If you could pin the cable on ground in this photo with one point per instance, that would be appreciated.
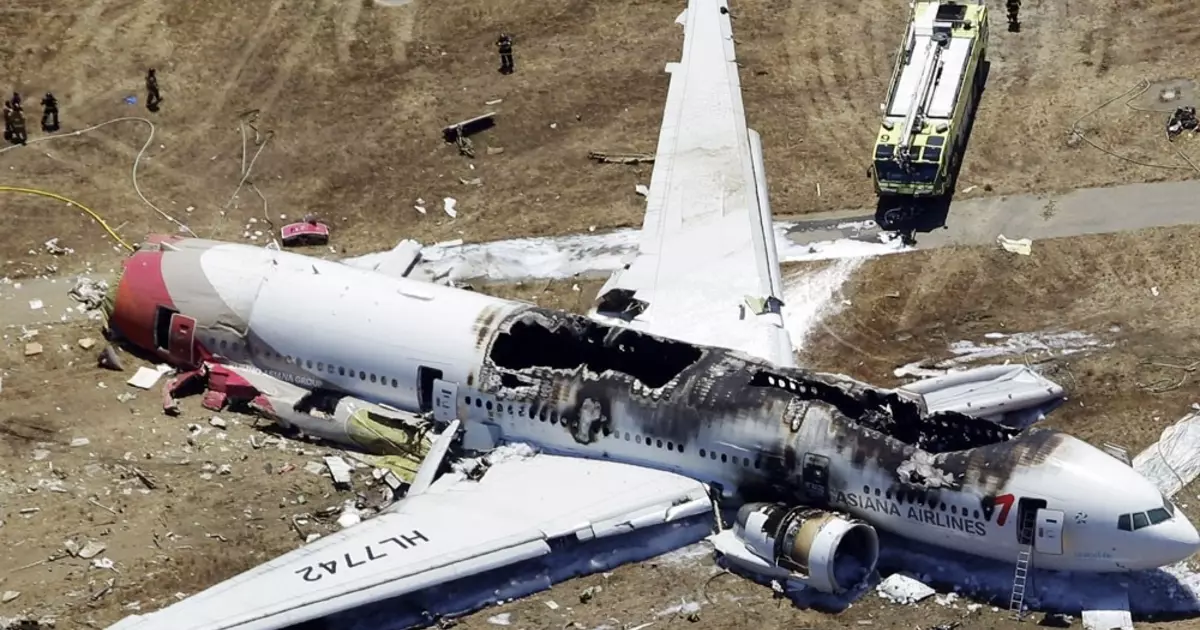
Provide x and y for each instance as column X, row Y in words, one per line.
column 1132, row 93
column 136, row 161
column 92, row 213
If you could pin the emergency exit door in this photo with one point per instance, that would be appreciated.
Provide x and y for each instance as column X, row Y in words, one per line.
column 445, row 398
column 1048, row 534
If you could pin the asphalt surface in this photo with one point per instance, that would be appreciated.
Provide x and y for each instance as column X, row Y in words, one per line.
column 1079, row 212
column 968, row 222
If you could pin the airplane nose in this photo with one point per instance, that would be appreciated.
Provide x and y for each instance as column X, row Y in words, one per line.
column 1174, row 541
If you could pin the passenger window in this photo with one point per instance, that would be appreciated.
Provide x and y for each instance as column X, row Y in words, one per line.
column 679, row 448
column 746, row 462
column 1124, row 524
column 320, row 366
column 309, row 363
column 659, row 443
column 637, row 439
column 942, row 507
column 954, row 509
column 372, row 378
column 341, row 371
column 467, row 399
column 976, row 514
column 479, row 403
column 626, row 436
column 510, row 410
column 488, row 406
column 723, row 458
column 670, row 446
column 866, row 489
column 1140, row 520
column 1158, row 515
column 553, row 417
column 362, row 376
column 395, row 383
column 712, row 454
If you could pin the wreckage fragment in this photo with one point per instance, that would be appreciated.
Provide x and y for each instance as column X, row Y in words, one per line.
column 921, row 469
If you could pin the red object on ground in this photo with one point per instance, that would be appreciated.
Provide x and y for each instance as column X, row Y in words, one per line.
column 304, row 233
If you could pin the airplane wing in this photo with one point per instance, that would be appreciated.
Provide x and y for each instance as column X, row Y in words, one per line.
column 706, row 270
column 523, row 504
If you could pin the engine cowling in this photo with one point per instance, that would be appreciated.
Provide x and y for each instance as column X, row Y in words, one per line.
column 825, row 550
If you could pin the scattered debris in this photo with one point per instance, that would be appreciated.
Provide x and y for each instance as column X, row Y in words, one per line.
column 86, row 343
column 621, row 158
column 91, row 550
column 1183, row 118
column 314, row 468
column 29, row 511
column 54, row 249
column 469, row 127
column 350, row 516
column 8, row 596
column 109, row 360
column 448, row 204
column 218, row 422
column 80, row 441
column 39, row 454
column 589, row 593
column 1023, row 246
column 146, row 378
column 308, row 232
column 35, row 305
column 339, row 470
column 503, row 619
column 88, row 292
column 903, row 589
column 495, row 150
column 1154, row 291
column 551, row 604
column 33, row 349
column 642, row 190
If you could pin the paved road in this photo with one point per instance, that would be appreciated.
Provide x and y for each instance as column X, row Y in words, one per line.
column 1084, row 211
column 969, row 222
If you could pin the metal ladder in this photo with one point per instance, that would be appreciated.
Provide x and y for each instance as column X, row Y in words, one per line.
column 1024, row 558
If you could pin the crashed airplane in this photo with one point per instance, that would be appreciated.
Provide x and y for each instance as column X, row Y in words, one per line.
column 678, row 392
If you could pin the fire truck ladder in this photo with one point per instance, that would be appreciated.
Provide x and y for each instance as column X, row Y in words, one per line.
column 923, row 91
column 1016, row 604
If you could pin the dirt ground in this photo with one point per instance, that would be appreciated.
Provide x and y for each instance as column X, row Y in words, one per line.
column 356, row 95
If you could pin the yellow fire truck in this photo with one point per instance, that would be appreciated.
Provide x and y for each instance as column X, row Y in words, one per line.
column 931, row 99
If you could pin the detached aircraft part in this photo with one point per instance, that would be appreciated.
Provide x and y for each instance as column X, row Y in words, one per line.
column 1006, row 394
column 823, row 550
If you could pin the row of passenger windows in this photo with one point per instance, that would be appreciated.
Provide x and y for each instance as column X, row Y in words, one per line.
column 545, row 414
column 319, row 366
column 910, row 496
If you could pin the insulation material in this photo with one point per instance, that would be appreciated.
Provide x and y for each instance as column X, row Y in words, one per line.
column 1174, row 460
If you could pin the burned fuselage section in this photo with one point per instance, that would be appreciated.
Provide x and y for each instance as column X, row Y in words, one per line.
column 718, row 415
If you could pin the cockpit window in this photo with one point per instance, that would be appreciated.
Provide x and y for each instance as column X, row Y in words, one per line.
column 1158, row 515
column 1168, row 506
column 1124, row 523
column 1140, row 520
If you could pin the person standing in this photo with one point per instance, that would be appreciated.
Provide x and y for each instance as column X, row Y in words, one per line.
column 153, row 97
column 49, row 113
column 504, row 45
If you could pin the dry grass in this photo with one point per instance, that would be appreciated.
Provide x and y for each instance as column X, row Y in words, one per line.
column 356, row 95
column 814, row 74
column 1095, row 284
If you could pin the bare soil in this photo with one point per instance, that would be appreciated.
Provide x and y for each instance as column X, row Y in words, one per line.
column 356, row 94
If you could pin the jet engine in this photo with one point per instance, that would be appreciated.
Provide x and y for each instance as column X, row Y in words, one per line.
column 824, row 550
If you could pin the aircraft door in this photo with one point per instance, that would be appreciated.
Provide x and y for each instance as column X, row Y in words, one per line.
column 1027, row 512
column 1049, row 532
column 181, row 339
column 815, row 477
column 445, row 399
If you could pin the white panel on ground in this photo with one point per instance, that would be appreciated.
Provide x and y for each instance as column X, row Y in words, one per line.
column 1108, row 612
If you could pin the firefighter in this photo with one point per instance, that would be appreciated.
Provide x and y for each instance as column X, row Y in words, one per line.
column 16, row 102
column 504, row 44
column 8, row 128
column 153, row 98
column 1014, row 22
column 18, row 126
column 49, row 113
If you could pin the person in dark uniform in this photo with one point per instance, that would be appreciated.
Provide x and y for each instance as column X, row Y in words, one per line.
column 8, row 135
column 49, row 113
column 1014, row 21
column 153, row 98
column 16, row 102
column 504, row 44
column 18, row 126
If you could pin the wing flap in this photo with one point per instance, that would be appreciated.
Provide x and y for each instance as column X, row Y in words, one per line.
column 457, row 528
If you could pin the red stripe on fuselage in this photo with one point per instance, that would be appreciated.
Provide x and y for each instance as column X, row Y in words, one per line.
column 141, row 291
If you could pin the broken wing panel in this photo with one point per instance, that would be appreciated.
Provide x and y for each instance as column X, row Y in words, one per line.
column 1011, row 394
column 456, row 529
column 706, row 270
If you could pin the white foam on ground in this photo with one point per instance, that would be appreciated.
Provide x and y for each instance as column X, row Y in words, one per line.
column 593, row 254
column 811, row 296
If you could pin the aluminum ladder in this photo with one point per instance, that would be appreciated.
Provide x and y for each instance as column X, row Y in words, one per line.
column 1016, row 603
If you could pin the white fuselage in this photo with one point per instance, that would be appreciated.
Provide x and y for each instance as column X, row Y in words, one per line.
column 423, row 348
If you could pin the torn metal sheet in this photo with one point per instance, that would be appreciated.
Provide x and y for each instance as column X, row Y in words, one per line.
column 1174, row 460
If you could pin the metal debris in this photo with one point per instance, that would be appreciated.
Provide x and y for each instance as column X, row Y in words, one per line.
column 91, row 550
column 218, row 422
column 109, row 360
column 86, row 343
column 589, row 593
column 33, row 349
column 339, row 470
column 8, row 596
column 921, row 469
column 89, row 292
column 621, row 158
column 145, row 378
column 80, row 441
